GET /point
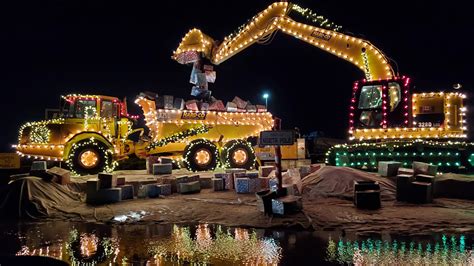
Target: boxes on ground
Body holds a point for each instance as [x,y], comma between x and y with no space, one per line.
[286,205]
[218,184]
[107,180]
[63,176]
[404,187]
[162,168]
[264,170]
[190,187]
[421,192]
[247,185]
[38,166]
[424,168]
[127,192]
[367,195]
[388,168]
[206,182]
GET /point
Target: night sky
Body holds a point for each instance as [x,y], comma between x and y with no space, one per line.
[50,48]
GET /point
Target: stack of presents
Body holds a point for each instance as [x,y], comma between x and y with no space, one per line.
[414,184]
[201,76]
[169,102]
[270,199]
[54,174]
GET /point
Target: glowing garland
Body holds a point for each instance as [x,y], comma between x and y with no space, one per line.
[189,148]
[40,134]
[359,155]
[109,163]
[312,16]
[179,136]
[226,163]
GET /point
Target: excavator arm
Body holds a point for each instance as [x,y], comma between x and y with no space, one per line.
[262,27]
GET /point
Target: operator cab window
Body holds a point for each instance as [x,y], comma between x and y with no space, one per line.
[370,97]
[85,108]
[108,109]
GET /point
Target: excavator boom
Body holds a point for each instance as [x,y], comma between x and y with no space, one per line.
[276,17]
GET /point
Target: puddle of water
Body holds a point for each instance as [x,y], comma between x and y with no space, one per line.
[202,244]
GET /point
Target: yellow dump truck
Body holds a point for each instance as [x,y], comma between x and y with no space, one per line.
[91,133]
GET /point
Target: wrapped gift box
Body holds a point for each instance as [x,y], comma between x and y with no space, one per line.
[39,166]
[162,168]
[241,104]
[265,170]
[273,183]
[206,182]
[160,102]
[261,108]
[120,181]
[187,57]
[367,199]
[210,76]
[264,182]
[406,171]
[178,103]
[286,205]
[231,107]
[92,186]
[168,101]
[218,184]
[421,192]
[150,160]
[404,187]
[251,108]
[425,168]
[247,185]
[165,160]
[192,105]
[62,176]
[107,180]
[103,196]
[388,168]
[172,181]
[426,179]
[190,187]
[291,189]
[208,67]
[228,181]
[164,189]
[217,106]
[152,191]
[127,192]
[252,174]
[201,80]
[305,170]
[204,107]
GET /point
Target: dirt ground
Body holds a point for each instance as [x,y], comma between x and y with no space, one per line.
[232,209]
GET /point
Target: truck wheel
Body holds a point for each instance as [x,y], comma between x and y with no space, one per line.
[238,154]
[200,155]
[90,157]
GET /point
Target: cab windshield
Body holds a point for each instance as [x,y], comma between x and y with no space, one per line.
[370,97]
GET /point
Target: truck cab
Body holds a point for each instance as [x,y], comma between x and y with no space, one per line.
[89,134]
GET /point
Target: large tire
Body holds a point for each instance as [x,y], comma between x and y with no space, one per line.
[200,155]
[238,154]
[89,157]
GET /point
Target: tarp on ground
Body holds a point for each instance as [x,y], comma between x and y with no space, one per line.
[34,197]
[331,181]
[454,186]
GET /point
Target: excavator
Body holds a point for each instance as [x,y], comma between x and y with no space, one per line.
[387,121]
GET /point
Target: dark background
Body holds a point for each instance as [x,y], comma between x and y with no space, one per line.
[49,48]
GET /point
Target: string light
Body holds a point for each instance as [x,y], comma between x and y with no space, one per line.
[179,136]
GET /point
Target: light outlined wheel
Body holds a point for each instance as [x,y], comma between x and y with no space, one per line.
[200,155]
[89,157]
[238,154]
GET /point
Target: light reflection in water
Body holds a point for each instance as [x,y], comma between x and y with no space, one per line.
[242,247]
[199,245]
[449,251]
